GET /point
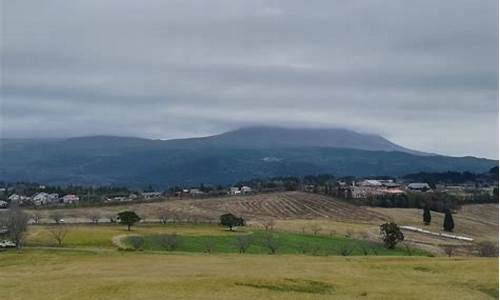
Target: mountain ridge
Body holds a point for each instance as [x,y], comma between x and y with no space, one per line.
[219,159]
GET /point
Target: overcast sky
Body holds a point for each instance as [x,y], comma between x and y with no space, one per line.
[422,73]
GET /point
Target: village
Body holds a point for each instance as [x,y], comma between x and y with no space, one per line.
[367,191]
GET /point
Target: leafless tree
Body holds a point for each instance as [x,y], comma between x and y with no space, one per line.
[408,249]
[209,244]
[364,249]
[16,222]
[242,243]
[58,233]
[163,215]
[487,249]
[345,250]
[94,217]
[271,243]
[36,217]
[449,250]
[169,242]
[315,228]
[268,224]
[136,242]
[315,250]
[56,216]
[302,247]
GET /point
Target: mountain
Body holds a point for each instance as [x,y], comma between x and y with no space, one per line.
[219,159]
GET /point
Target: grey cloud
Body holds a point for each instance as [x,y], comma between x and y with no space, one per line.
[412,71]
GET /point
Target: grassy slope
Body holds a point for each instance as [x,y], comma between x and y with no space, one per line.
[79,275]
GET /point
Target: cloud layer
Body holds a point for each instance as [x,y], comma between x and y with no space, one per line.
[422,73]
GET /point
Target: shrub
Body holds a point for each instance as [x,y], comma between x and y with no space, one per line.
[169,242]
[136,242]
[487,249]
[391,235]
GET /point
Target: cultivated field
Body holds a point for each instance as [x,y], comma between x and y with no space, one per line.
[289,205]
[79,275]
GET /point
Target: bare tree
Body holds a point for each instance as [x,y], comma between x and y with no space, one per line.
[242,243]
[487,249]
[163,215]
[449,250]
[16,222]
[302,247]
[209,244]
[36,217]
[94,217]
[315,228]
[408,249]
[58,233]
[345,250]
[136,242]
[271,243]
[169,242]
[268,224]
[56,216]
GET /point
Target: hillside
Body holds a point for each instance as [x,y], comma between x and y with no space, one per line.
[220,159]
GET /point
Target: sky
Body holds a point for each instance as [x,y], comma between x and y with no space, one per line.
[423,74]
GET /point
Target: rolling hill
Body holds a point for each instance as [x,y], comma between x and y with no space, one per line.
[220,159]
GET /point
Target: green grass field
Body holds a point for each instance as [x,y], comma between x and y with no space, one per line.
[288,243]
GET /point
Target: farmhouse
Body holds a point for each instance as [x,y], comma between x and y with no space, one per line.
[41,199]
[418,187]
[70,199]
[151,195]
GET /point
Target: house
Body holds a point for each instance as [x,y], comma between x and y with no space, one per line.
[53,198]
[245,189]
[370,183]
[70,199]
[40,199]
[195,192]
[151,195]
[19,198]
[418,187]
[14,198]
[234,190]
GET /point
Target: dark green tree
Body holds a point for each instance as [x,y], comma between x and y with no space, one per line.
[427,215]
[128,218]
[448,223]
[391,234]
[230,220]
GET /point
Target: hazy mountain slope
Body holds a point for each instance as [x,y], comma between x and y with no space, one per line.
[225,158]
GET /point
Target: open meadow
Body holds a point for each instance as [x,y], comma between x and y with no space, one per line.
[107,274]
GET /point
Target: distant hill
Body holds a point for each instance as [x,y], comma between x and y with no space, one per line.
[225,158]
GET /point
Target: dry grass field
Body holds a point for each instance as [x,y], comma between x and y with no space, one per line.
[85,275]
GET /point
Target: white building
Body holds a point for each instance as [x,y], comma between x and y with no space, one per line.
[234,190]
[418,187]
[70,199]
[151,195]
[245,189]
[41,199]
